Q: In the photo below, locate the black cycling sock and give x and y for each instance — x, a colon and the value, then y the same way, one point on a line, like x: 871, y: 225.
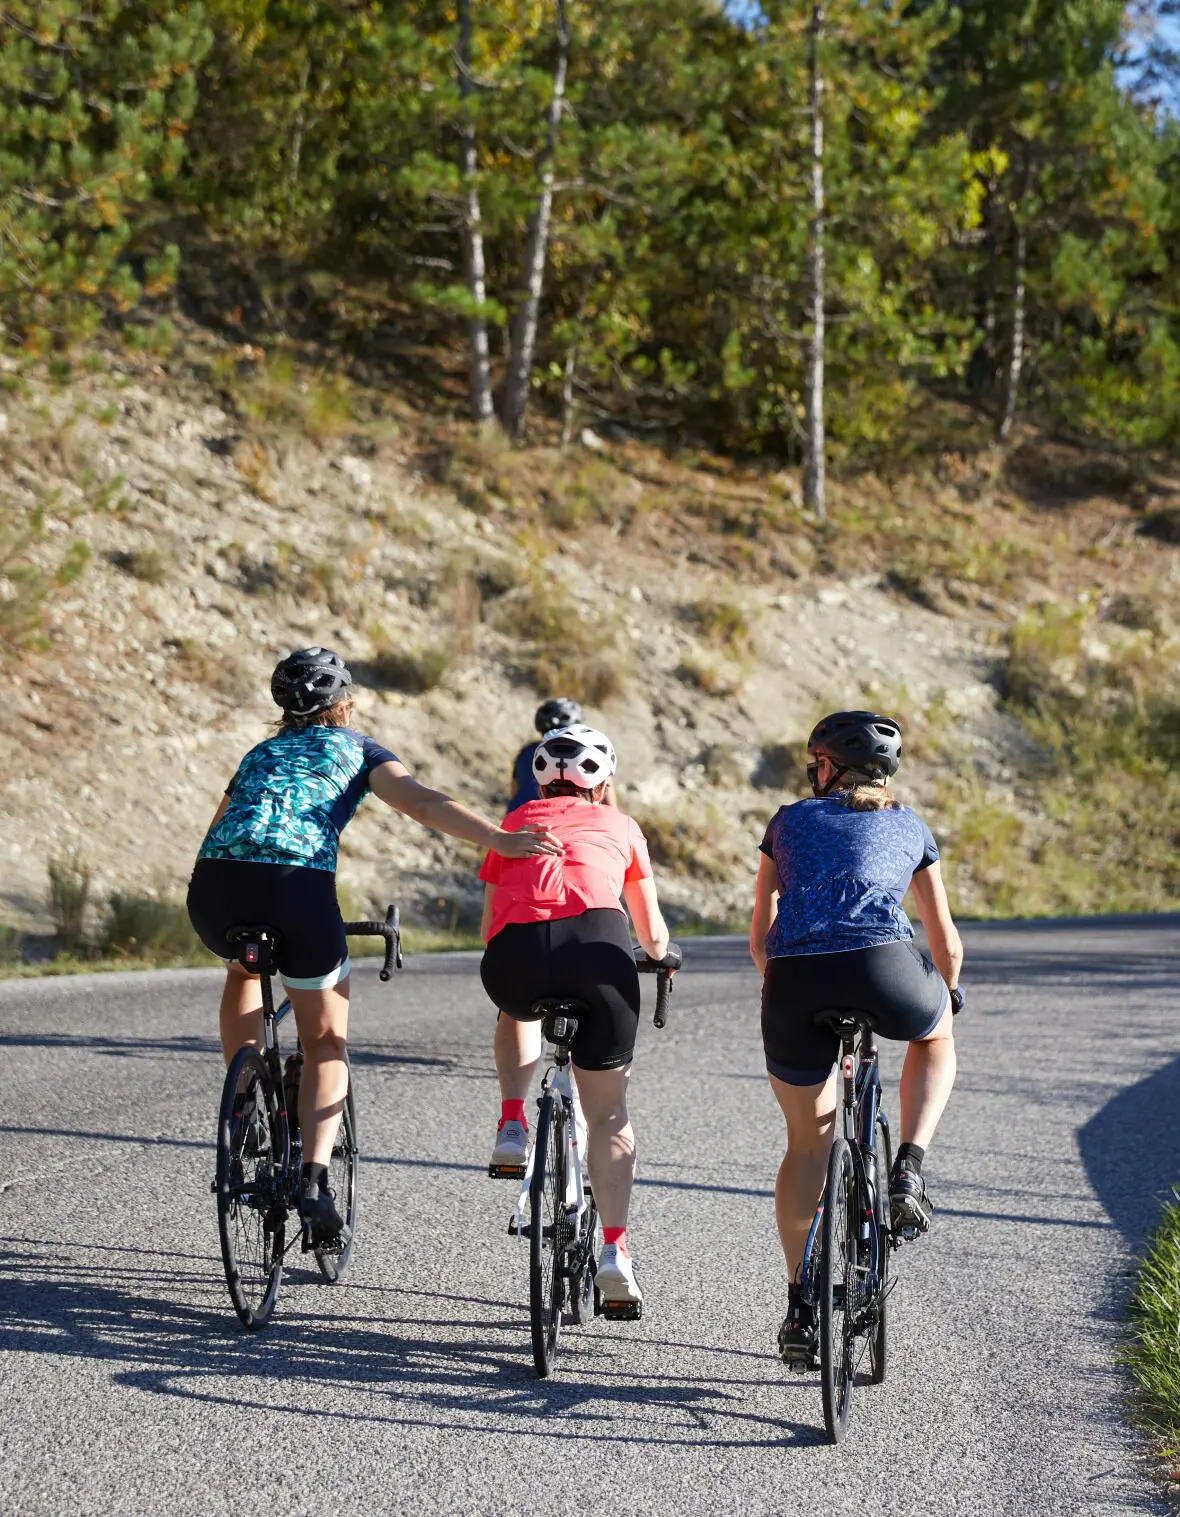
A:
x: 910, y: 1156
x: 318, y: 1174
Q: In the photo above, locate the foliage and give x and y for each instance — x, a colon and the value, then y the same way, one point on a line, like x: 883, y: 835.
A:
x: 1155, y: 1311
x: 146, y: 927
x: 69, y: 896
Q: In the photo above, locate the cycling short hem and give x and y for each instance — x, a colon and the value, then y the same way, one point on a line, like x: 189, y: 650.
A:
x: 799, y: 1077
x: 319, y: 981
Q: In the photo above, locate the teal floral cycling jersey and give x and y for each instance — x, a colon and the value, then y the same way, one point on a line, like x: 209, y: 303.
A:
x: 293, y: 795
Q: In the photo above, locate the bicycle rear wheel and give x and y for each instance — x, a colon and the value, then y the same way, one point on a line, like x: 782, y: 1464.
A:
x: 251, y: 1199
x: 838, y: 1290
x: 879, y: 1342
x: 546, y: 1233
x: 582, y: 1283
x: 342, y: 1182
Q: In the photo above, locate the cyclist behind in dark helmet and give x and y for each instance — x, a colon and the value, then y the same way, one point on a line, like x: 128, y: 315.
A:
x: 270, y: 856
x: 556, y: 712
x: 828, y: 930
x: 555, y: 927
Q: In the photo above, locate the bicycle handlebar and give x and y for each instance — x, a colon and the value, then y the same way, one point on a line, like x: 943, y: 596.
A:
x: 665, y: 968
x: 391, y: 930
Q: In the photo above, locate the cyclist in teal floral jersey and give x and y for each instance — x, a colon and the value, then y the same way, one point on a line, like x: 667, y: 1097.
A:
x: 270, y: 856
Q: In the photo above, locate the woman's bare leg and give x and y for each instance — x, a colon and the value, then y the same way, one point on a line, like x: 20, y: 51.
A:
x: 518, y: 1052
x: 810, y: 1112
x: 322, y: 1019
x: 240, y: 1014
x: 611, y: 1141
x: 927, y: 1079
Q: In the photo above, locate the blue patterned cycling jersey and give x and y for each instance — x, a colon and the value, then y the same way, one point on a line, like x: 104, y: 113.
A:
x: 293, y: 795
x: 842, y: 875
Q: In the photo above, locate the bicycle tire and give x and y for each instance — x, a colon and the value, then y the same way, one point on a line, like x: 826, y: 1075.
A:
x: 342, y: 1182
x: 582, y: 1284
x: 251, y: 1189
x: 879, y: 1342
x: 837, y: 1289
x: 546, y: 1226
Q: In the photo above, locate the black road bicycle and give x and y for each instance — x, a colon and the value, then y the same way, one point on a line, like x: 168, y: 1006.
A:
x: 562, y: 1225
x: 259, y: 1145
x: 845, y: 1273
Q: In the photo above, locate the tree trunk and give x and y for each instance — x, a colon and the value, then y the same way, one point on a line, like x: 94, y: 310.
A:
x: 480, y: 382
x: 567, y: 394
x: 814, y: 488
x: 1016, y: 349
x: 524, y: 322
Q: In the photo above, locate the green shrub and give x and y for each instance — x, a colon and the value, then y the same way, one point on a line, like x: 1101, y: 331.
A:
x: 712, y: 676
x: 411, y: 670
x: 720, y: 621
x: 562, y: 647
x: 692, y: 840
x: 141, y: 563
x: 11, y: 945
x: 69, y: 895
x: 145, y: 927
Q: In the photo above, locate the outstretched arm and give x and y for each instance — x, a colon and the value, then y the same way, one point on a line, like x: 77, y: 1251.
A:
x: 765, y: 905
x: 946, y: 946
x: 394, y: 784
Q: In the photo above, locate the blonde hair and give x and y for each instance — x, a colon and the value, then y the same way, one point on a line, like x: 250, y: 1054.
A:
x: 339, y: 714
x: 557, y: 788
x: 869, y: 797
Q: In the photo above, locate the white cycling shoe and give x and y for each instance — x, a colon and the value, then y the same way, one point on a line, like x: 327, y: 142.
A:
x: 512, y: 1146
x: 616, y: 1276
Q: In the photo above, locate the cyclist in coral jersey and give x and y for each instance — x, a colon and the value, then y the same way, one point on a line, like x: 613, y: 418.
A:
x: 555, y: 927
x: 270, y: 856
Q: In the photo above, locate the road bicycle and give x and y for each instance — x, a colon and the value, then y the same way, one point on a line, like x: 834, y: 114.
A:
x: 260, y: 1147
x: 556, y: 1211
x: 845, y: 1274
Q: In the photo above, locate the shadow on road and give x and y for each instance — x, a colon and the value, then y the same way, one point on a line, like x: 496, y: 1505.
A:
x: 462, y: 1369
x: 1131, y: 1150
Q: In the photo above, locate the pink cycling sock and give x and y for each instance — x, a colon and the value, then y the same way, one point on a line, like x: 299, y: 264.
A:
x: 512, y: 1111
x: 615, y: 1235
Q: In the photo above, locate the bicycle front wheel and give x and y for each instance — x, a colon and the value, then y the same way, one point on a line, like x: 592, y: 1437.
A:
x: 546, y: 1233
x: 342, y: 1182
x: 251, y: 1198
x: 838, y: 1290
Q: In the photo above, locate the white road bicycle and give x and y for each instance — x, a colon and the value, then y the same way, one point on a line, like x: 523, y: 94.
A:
x: 555, y: 1210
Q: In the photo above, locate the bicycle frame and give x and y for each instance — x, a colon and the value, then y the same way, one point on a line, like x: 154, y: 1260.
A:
x: 860, y: 1080
x: 559, y: 1085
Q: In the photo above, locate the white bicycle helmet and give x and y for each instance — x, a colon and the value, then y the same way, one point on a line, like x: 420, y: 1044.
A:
x: 582, y: 755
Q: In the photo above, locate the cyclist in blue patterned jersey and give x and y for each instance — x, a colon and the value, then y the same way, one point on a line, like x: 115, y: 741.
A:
x: 828, y: 930
x: 270, y: 856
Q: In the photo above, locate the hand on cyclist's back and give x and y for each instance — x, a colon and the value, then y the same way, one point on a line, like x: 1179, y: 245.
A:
x: 528, y: 842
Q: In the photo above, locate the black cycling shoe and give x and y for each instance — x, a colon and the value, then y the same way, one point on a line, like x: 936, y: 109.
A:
x: 909, y: 1205
x: 248, y: 1112
x: 323, y: 1226
x: 798, y: 1343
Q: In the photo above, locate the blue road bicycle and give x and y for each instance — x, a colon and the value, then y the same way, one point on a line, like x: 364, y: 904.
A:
x: 845, y: 1273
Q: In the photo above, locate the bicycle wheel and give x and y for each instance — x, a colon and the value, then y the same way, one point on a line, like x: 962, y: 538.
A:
x: 582, y: 1283
x: 546, y: 1229
x: 251, y: 1202
x: 879, y: 1342
x: 838, y: 1290
x: 342, y: 1182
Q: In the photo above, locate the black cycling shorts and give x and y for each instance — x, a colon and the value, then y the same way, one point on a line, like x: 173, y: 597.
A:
x: 894, y: 985
x: 584, y: 958
x: 299, y: 903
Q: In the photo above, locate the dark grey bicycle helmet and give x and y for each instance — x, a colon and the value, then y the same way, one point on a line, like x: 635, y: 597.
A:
x: 558, y: 712
x: 861, y: 744
x: 309, y: 681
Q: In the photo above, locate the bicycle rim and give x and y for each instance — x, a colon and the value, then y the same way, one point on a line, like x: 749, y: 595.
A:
x: 838, y: 1291
x: 251, y: 1200
x: 342, y: 1182
x: 546, y: 1219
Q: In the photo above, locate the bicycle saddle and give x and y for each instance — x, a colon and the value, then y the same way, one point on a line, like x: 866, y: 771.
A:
x: 843, y: 1021
x: 258, y: 933
x: 560, y: 1016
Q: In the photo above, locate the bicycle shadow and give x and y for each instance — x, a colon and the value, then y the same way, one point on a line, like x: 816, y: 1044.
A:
x: 414, y: 1363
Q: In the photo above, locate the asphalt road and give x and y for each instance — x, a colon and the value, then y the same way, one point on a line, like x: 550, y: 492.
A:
x: 127, y: 1386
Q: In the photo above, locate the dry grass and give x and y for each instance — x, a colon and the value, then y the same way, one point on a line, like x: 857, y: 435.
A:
x: 710, y: 674
x: 562, y: 645
x: 692, y: 840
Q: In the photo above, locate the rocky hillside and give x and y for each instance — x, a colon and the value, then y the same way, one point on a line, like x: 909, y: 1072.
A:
x: 171, y: 530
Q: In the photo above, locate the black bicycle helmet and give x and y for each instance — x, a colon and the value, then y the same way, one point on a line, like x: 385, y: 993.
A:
x: 309, y: 681
x: 558, y: 712
x: 861, y: 744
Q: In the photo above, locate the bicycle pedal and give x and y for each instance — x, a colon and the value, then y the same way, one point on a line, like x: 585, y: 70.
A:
x: 506, y: 1171
x: 622, y: 1311
x: 313, y: 1245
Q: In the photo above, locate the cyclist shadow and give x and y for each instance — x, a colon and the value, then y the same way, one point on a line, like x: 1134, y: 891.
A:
x: 411, y: 1364
x: 1131, y: 1152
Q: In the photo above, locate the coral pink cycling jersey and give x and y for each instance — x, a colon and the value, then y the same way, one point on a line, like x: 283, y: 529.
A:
x: 604, y: 850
